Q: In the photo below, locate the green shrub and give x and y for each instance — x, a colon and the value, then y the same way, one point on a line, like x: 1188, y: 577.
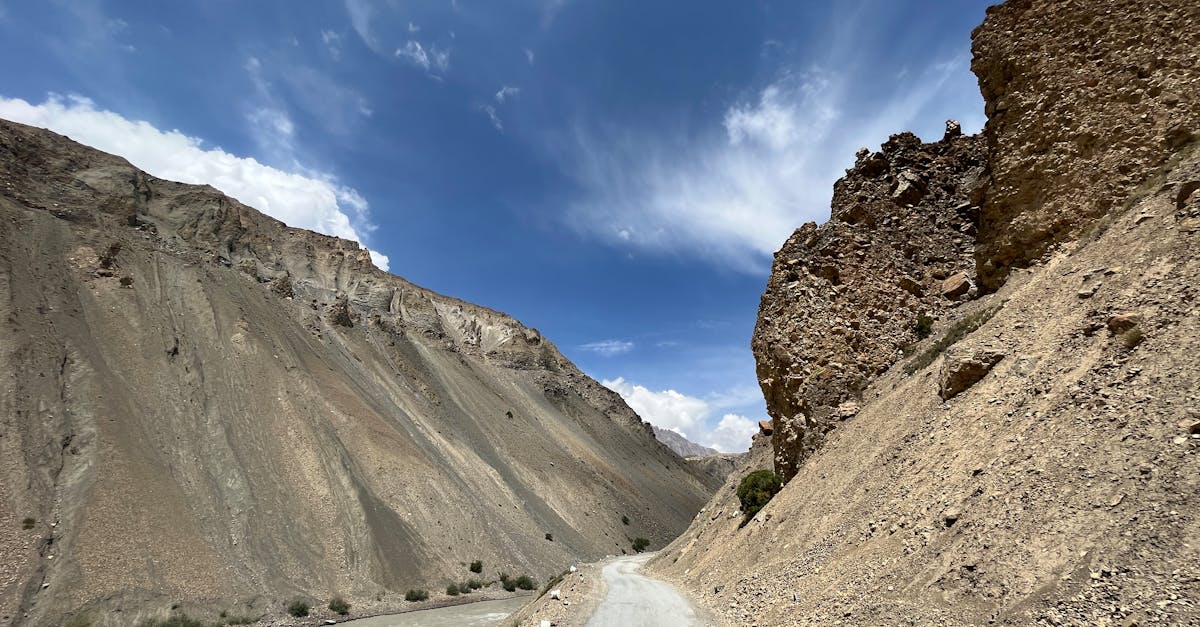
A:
x: 1131, y: 338
x: 474, y: 584
x: 298, y: 608
x: 525, y: 582
x: 956, y: 332
x: 416, y: 595
x: 477, y: 566
x: 756, y: 489
x: 640, y: 544
x: 338, y: 605
x: 177, y: 620
x: 924, y: 325
x: 550, y: 537
x: 28, y: 523
x: 452, y: 589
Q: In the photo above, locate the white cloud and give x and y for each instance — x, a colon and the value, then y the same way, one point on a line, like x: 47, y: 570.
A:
x: 734, y: 191
x: 490, y: 112
x: 507, y: 92
x: 529, y: 56
x: 608, y: 348
x: 333, y: 43
x: 413, y: 28
x: 686, y: 415
x: 309, y: 200
x: 427, y: 59
x: 732, y: 434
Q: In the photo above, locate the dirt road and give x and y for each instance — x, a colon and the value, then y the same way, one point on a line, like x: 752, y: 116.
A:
x: 636, y: 600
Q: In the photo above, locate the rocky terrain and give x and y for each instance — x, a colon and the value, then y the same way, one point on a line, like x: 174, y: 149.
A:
x: 204, y: 409
x: 681, y: 445
x: 982, y: 370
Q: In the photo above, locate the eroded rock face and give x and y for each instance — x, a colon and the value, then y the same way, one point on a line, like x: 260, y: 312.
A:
x: 844, y: 297
x: 1085, y: 100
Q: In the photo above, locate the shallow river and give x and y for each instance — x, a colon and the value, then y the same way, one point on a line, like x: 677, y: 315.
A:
x: 481, y: 614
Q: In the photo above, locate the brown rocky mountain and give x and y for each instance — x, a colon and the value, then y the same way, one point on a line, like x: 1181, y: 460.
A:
x: 205, y: 408
x: 982, y: 371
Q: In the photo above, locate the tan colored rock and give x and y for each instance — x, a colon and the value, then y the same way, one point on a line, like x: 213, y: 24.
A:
x: 1122, y: 322
x: 964, y: 367
x: 765, y: 427
x: 956, y: 285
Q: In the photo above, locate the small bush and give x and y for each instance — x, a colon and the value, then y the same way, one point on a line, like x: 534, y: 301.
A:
x: 509, y: 585
x: 477, y: 566
x: 338, y: 605
x: 956, y: 332
x: 452, y: 590
x: 756, y: 490
x: 109, y: 259
x: 178, y: 620
x: 624, y: 520
x: 1131, y: 338
x: 525, y: 582
x: 924, y: 325
x: 503, y: 577
x: 550, y: 537
x: 416, y: 595
x: 298, y: 608
x: 28, y: 523
x: 640, y: 544
x: 474, y: 584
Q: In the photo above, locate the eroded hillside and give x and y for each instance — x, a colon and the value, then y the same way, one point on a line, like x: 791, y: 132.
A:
x: 206, y: 408
x: 985, y: 402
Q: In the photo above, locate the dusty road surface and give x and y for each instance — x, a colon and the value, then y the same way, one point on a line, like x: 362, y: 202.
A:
x: 481, y: 614
x: 635, y: 600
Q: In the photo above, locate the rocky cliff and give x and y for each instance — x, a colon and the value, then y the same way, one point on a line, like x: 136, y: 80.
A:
x: 207, y: 409
x: 1015, y: 444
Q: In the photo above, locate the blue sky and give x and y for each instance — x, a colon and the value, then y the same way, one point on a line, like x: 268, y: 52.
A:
x: 614, y: 173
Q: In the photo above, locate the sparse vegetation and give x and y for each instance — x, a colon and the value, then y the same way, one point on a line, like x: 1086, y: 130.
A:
x: 416, y: 595
x: 525, y: 582
x: 176, y: 620
x: 640, y: 544
x: 28, y: 523
x: 924, y: 325
x: 1131, y: 338
x: 126, y: 281
x: 109, y: 258
x: 957, y: 331
x: 298, y: 608
x: 509, y: 585
x: 338, y: 605
x: 624, y: 520
x: 756, y: 490
x: 474, y: 584
x: 477, y: 566
x: 452, y: 589
x: 554, y: 582
x: 550, y: 537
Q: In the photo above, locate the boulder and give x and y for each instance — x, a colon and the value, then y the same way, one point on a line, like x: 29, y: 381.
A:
x: 956, y: 285
x: 963, y: 368
x: 765, y: 427
x: 1123, y: 322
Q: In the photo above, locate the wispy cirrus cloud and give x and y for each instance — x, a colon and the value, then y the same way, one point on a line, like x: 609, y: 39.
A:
x: 732, y: 192
x: 431, y: 59
x: 301, y: 198
x: 608, y: 348
x: 507, y: 92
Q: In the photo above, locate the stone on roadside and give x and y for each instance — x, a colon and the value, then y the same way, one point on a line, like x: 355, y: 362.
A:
x: 1123, y: 322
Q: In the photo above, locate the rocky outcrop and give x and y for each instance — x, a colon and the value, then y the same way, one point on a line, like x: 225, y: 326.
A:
x: 207, y: 409
x: 844, y: 298
x: 1023, y: 467
x: 1085, y: 100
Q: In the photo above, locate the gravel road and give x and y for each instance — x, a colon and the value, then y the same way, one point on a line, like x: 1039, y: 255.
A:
x: 635, y: 600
